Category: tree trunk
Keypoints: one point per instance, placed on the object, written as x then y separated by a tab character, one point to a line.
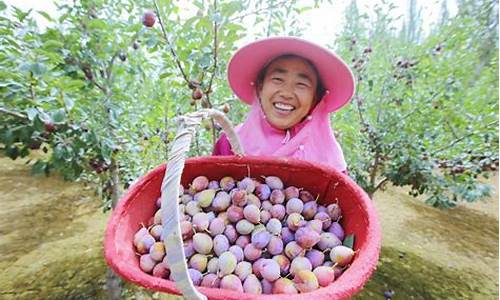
114	284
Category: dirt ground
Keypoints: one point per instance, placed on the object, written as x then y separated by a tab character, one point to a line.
51	235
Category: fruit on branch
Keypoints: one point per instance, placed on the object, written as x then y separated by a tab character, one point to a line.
50	127
98	165
122	56
226	108
149	18
193	84
35	144
197	94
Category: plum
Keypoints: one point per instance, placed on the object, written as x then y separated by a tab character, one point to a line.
306	237
284	286
199	183
305	281
316	257
283	262
227	183
221	201
274	226
231	282
243	269
202	243
277	197
325	275
247	184
210	280
294	205
274	182
341	255
263	191
306	196
227	263
300	263
252	213
291	192
221	244
261	239
270	270
275	245
293	249
328	240
157	251
252	285
198	262
147	263
334	211
337	229
205	198
161	270
251	252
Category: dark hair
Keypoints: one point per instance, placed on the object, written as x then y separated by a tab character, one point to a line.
320	89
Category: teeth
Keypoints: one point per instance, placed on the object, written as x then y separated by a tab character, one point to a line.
283	106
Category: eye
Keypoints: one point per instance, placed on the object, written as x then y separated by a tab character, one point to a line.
302	85
277	79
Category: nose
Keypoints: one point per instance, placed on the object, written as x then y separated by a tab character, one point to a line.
287	90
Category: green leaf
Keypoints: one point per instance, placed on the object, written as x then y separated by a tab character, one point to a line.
97	24
39	167
45	15
69	103
166	74
59	116
32	113
2	6
349	241
12	152
53	44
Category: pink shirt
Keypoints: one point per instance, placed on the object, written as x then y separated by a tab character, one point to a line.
311	140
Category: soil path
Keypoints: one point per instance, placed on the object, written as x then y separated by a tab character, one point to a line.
51	244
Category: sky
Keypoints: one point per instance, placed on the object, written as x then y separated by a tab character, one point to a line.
323	22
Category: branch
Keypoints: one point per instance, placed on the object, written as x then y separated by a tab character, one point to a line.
176	59
459	140
110	68
87	70
215	56
209	89
13	113
32	88
379	185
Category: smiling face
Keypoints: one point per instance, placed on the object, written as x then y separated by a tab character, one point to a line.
287	91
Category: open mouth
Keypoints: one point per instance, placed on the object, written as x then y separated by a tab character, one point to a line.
283	107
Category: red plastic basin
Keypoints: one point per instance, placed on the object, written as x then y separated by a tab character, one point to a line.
359	218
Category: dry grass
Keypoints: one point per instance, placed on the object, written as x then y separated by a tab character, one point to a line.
51	244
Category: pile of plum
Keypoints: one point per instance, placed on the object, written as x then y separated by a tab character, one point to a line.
253	237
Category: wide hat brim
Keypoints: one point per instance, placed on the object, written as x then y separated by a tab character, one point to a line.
247	62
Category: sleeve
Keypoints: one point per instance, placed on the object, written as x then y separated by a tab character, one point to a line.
222	146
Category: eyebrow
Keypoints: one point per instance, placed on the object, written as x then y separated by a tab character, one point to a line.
283	71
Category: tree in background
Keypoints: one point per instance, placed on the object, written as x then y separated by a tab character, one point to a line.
425	111
97	91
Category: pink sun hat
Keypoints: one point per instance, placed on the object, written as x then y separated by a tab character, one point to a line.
249	60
